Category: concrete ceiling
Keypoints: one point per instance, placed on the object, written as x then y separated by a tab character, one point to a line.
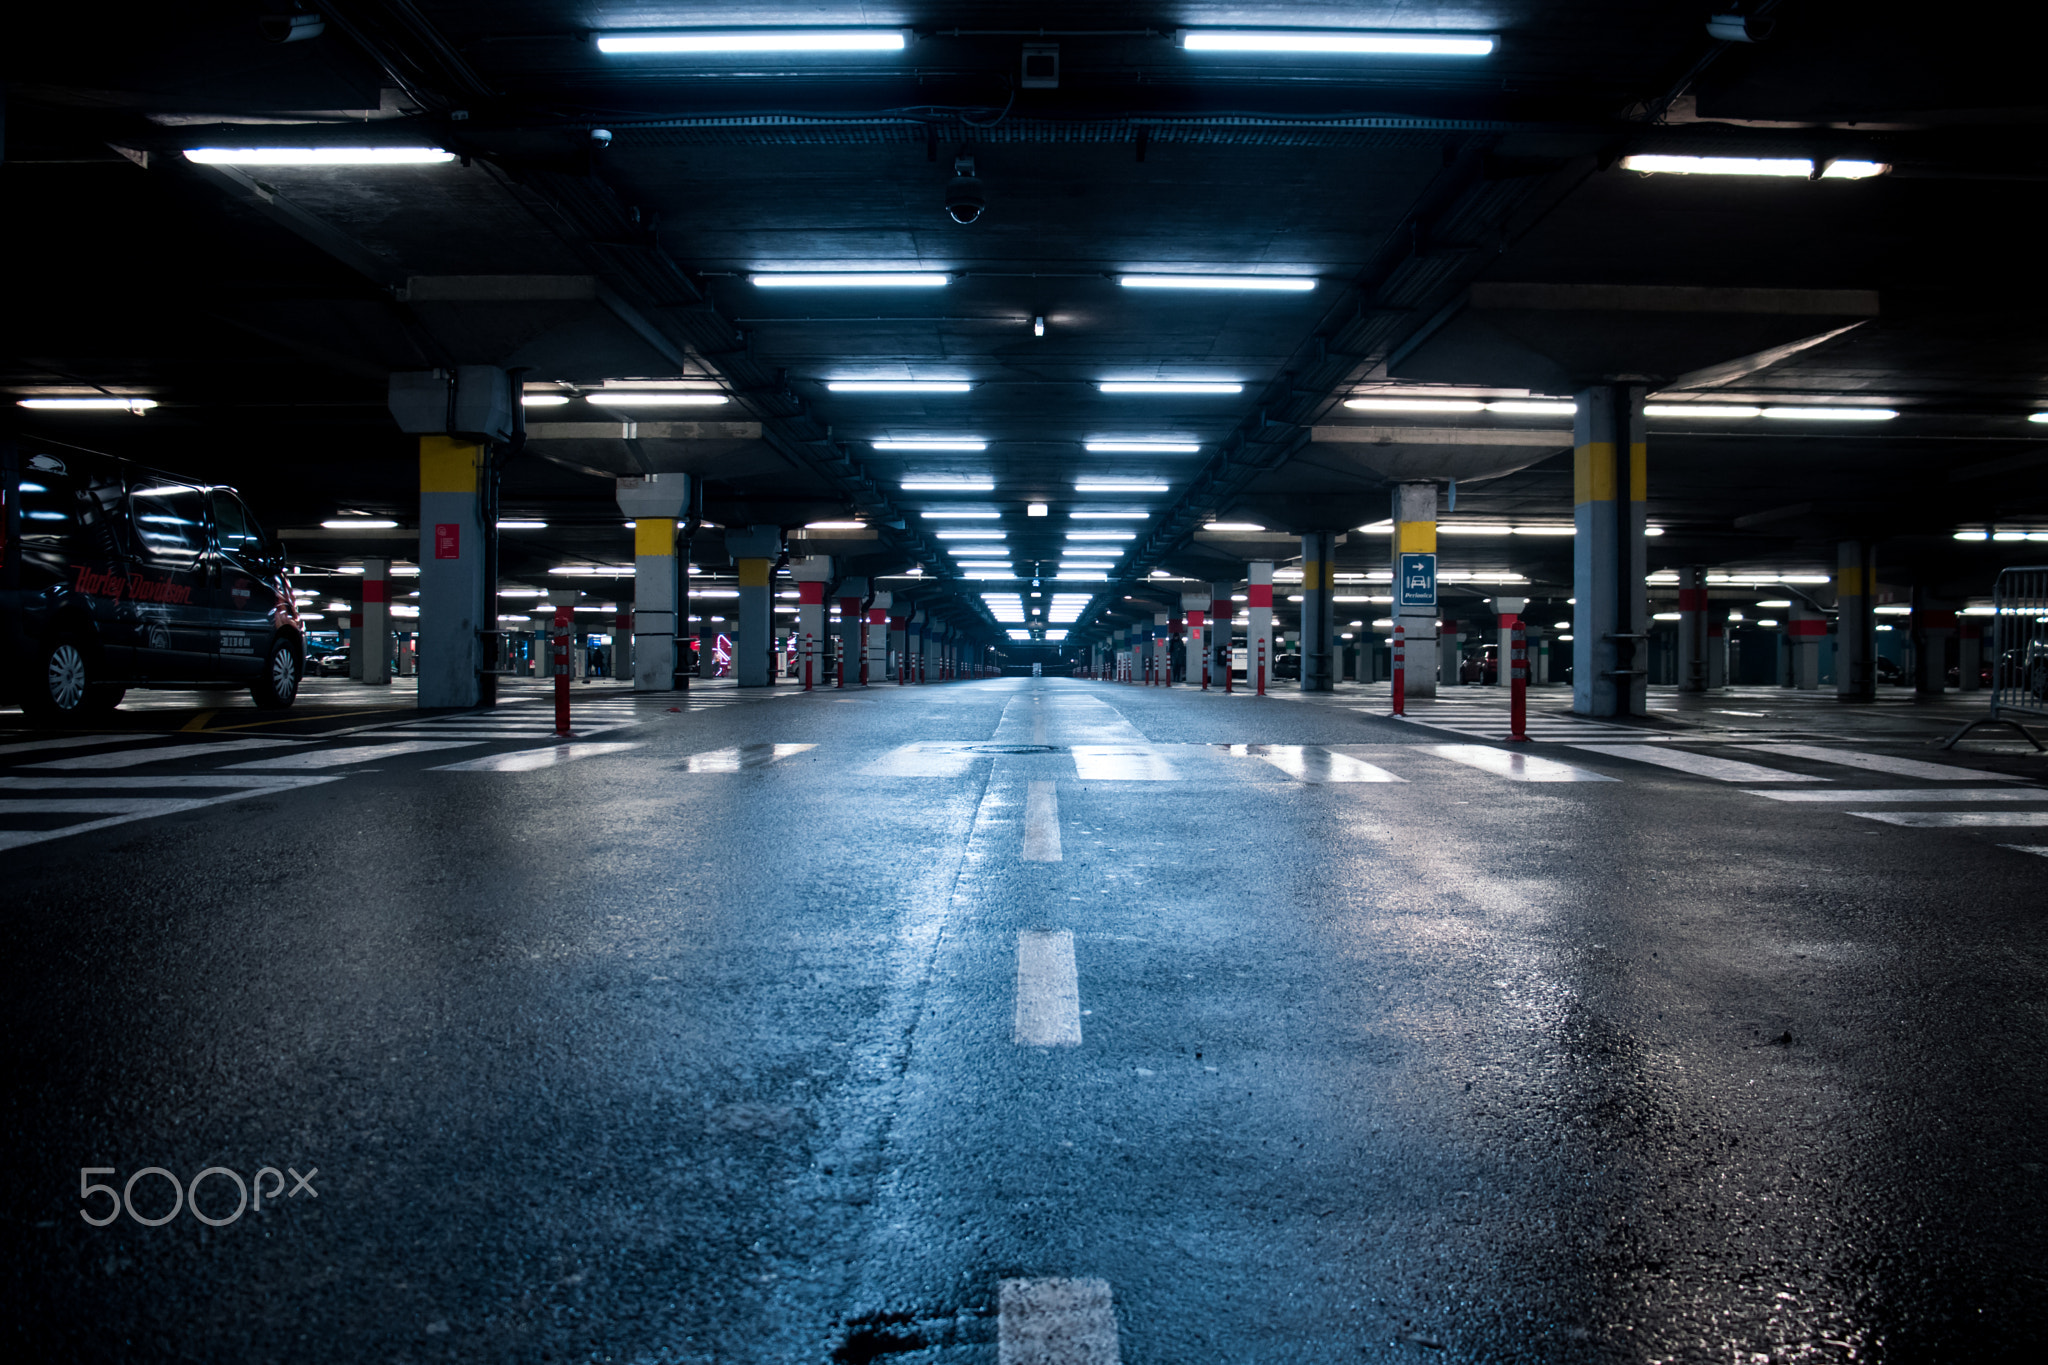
1441	207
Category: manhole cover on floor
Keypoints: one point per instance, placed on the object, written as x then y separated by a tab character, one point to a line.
1013	749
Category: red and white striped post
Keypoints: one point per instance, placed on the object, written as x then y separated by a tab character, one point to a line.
1518	676
1262	665
563	617
1400	671
810	651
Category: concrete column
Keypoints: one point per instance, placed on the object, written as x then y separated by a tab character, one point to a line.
1318	617
655	503
852	593
1934	625
1259	607
878	638
754	552
913	646
1717	650
1610	658
1805	628
1509	609
1448	639
373	638
1855	621
899	644
1692	628
353	633
1415	601
1969	654
1222	630
451	559
1194	609
811	577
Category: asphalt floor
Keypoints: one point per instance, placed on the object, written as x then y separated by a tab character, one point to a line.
1025	1021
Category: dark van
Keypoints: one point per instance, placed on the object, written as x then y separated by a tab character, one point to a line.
117	576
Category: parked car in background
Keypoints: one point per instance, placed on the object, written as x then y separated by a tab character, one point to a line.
131	577
1287	666
1889	672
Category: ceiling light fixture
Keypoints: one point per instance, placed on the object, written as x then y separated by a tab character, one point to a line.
543	400
1110	516
1169	386
1118	486
522	526
110	404
972	533
1101	535
359	524
613	398
1831	414
1528	407
317	156
1700	410
960	516
898	385
1142	447
689	42
852	279
1233	526
1339	42
964	444
1266	284
2037	417
1783	167
1414	405
949	485
835	526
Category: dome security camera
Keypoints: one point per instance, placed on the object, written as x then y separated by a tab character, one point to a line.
600	138
964	200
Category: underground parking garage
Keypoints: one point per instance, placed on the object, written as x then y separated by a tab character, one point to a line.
1034	685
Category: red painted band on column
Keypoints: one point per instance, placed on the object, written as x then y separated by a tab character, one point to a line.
1805	628
811	594
1934	620
1692	599
1259	595
376	590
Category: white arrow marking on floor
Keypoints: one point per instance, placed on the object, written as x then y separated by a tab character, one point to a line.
1041	824
1048	990
1056	1322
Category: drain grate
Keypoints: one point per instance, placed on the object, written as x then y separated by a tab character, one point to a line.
1015	749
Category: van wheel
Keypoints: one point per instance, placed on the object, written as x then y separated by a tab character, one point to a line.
60	682
279	685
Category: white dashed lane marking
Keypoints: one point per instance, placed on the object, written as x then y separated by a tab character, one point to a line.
1921	795
1880	763
1514	765
1699	765
1048	990
129	758
1041	824
526	760
1056	1322
1955	819
1121	763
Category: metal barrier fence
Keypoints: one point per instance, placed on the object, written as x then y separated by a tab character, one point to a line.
2018	641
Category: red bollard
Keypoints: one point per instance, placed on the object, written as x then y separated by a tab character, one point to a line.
1262	665
1400	671
562	620
1518	676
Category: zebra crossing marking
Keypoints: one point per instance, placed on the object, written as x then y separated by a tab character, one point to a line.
1699	765
121	810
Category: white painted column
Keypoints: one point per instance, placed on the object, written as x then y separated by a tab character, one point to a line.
654	504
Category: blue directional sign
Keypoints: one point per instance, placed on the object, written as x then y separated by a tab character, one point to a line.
1416	585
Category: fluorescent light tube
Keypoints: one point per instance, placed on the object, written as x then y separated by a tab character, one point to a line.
318	156
765	40
1523	407
1095	486
1832	414
949	485
960	516
970	533
137	405
851	279
2037	417
1233	526
1700	410
1143	447
964	552
1414	405
1101	535
1110	516
522	526
543	400
1785	167
1270	284
1340	42
835	526
360	524
1168	386
611	398
931	445
898	385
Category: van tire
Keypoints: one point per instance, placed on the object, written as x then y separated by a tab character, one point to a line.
60	685
278	685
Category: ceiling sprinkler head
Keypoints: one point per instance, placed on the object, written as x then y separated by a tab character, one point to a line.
964	201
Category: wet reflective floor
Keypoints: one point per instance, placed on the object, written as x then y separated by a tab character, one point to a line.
1026	1021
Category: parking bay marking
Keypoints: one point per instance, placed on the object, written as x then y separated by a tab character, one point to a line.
354	753
1699	765
1048	990
1056	1322
245	787
1881	763
129	758
1041	823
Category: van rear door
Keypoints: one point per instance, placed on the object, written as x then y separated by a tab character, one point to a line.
243	598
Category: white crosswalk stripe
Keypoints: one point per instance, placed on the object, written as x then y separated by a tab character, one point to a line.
25	813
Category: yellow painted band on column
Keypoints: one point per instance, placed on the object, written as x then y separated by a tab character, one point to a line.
1849	581
1638	472
1318	576
754	573
1593	472
654	536
447	465
1415	537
